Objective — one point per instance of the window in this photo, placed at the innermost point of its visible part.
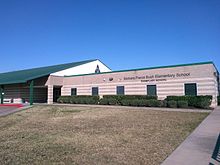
(191, 89)
(120, 90)
(95, 91)
(73, 92)
(151, 90)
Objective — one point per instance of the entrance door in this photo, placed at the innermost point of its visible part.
(56, 93)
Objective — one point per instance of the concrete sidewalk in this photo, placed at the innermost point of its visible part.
(198, 147)
(4, 111)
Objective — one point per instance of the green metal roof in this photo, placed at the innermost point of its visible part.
(23, 76)
(149, 68)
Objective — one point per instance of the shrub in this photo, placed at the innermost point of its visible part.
(63, 99)
(203, 103)
(72, 101)
(143, 103)
(172, 104)
(193, 101)
(91, 101)
(154, 103)
(141, 100)
(103, 101)
(134, 102)
(163, 103)
(160, 103)
(112, 101)
(182, 104)
(108, 101)
(119, 98)
(125, 102)
(79, 99)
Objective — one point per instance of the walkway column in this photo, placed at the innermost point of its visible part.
(50, 94)
(2, 94)
(31, 95)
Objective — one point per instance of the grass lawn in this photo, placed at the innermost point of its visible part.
(85, 135)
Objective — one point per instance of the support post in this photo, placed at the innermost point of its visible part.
(50, 94)
(2, 94)
(31, 95)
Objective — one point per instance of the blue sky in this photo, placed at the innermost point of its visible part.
(124, 34)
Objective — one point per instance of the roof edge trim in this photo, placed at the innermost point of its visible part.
(149, 68)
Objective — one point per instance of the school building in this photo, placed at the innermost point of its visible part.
(92, 77)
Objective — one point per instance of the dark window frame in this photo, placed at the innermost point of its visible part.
(149, 90)
(120, 90)
(188, 87)
(74, 93)
(95, 91)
